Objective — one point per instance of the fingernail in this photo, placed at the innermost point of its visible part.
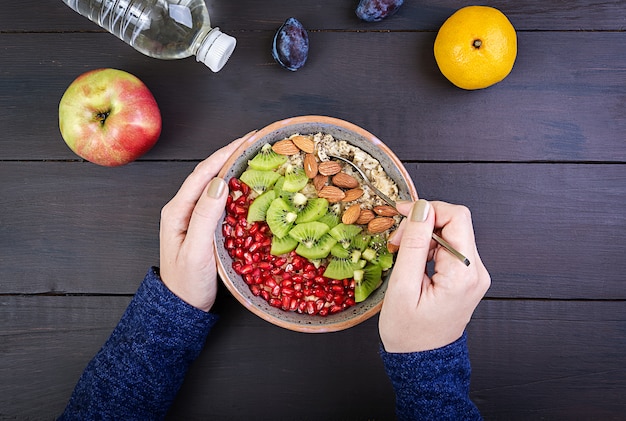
(419, 213)
(216, 188)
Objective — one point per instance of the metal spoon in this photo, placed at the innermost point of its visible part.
(391, 203)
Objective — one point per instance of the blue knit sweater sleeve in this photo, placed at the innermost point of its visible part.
(432, 385)
(138, 371)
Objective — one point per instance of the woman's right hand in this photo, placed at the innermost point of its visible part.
(419, 312)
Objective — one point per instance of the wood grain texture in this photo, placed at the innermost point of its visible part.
(530, 360)
(250, 15)
(540, 159)
(570, 108)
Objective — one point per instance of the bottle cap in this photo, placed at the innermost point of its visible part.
(216, 49)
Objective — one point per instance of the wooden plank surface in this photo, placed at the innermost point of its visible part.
(568, 109)
(549, 360)
(544, 231)
(250, 15)
(540, 159)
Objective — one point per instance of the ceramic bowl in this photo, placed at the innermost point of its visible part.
(236, 165)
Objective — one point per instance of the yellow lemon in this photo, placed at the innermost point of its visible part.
(476, 47)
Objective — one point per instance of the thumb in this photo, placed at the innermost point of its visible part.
(206, 215)
(414, 244)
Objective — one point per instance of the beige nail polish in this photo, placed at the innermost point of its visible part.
(216, 188)
(420, 210)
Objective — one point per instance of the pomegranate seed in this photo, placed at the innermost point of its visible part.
(237, 267)
(323, 312)
(293, 304)
(248, 241)
(254, 228)
(256, 290)
(319, 293)
(288, 291)
(230, 220)
(349, 302)
(265, 265)
(336, 288)
(286, 302)
(335, 309)
(275, 302)
(276, 291)
(245, 189)
(310, 307)
(234, 184)
(246, 269)
(319, 304)
(301, 306)
(265, 294)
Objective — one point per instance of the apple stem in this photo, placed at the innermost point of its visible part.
(477, 43)
(102, 117)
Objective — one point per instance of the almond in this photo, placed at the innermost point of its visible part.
(391, 247)
(345, 181)
(285, 147)
(365, 217)
(351, 214)
(304, 143)
(310, 165)
(380, 224)
(352, 194)
(320, 181)
(329, 167)
(385, 210)
(332, 194)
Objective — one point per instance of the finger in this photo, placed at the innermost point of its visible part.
(205, 217)
(414, 250)
(456, 226)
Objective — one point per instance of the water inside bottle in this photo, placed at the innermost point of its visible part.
(158, 28)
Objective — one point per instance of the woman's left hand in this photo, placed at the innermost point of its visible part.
(188, 224)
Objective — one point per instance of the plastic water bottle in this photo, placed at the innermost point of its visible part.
(163, 29)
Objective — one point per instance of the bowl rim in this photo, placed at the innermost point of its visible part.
(256, 136)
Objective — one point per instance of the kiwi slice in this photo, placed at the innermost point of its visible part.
(313, 209)
(258, 208)
(377, 253)
(345, 233)
(259, 180)
(331, 217)
(339, 268)
(338, 251)
(283, 245)
(319, 248)
(280, 217)
(295, 179)
(308, 233)
(267, 159)
(360, 241)
(366, 280)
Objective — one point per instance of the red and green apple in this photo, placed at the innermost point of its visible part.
(109, 117)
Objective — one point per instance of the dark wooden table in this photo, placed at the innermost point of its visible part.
(539, 158)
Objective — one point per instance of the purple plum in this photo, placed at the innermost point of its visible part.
(377, 10)
(291, 45)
